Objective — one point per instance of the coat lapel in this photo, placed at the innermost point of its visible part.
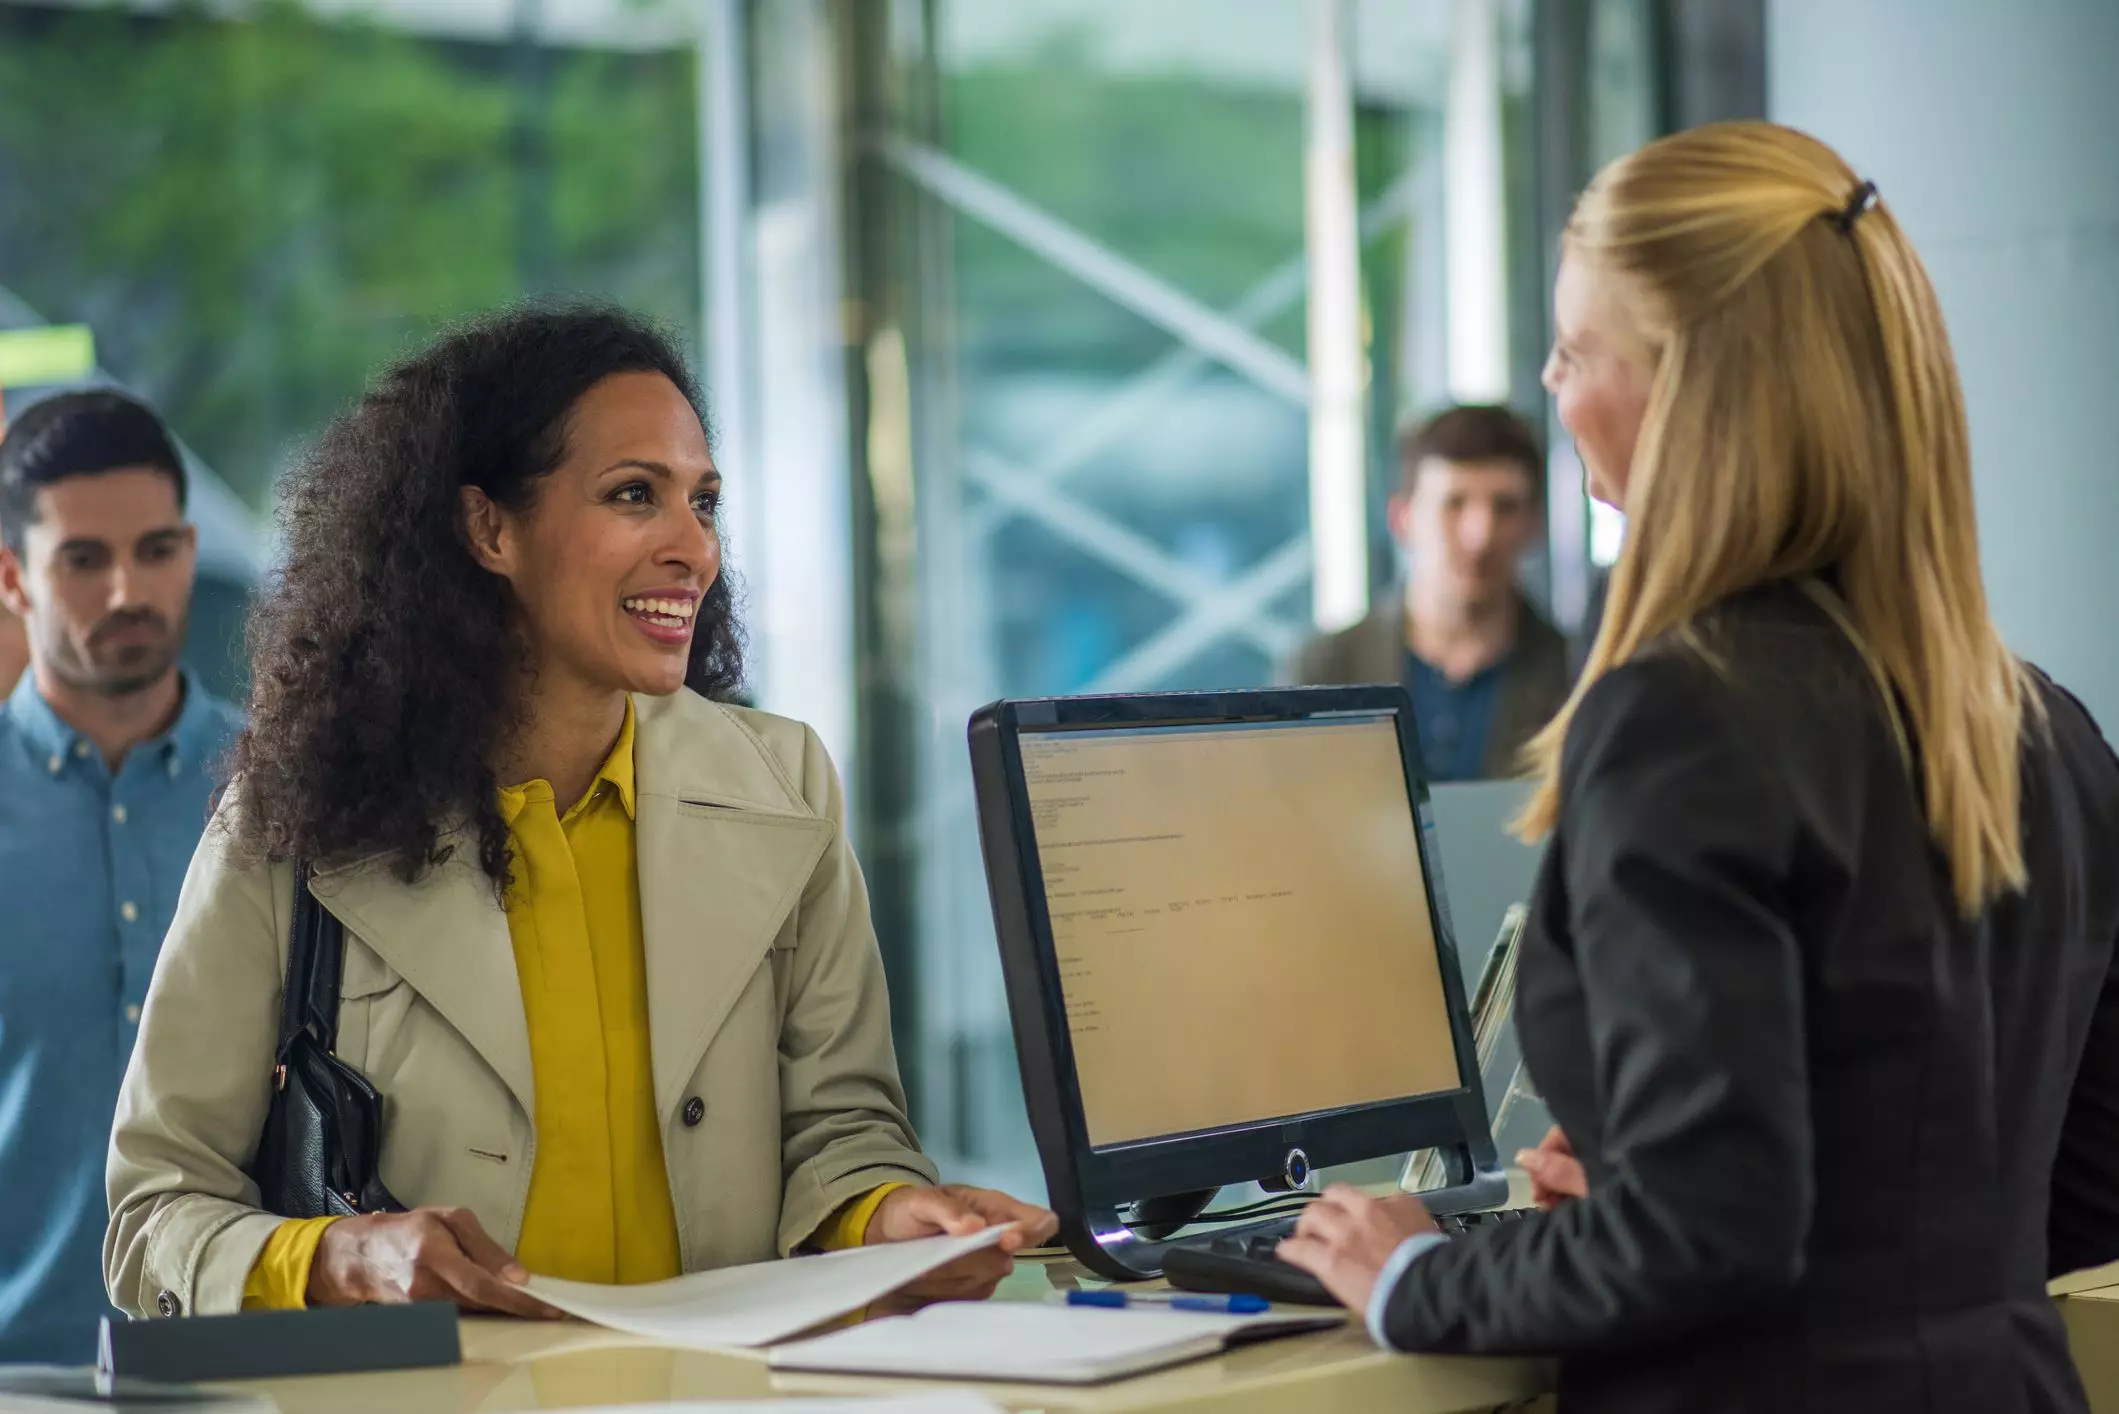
(447, 935)
(725, 844)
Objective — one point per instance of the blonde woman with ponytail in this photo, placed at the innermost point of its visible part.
(1820, 980)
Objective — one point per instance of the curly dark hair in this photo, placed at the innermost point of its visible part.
(386, 662)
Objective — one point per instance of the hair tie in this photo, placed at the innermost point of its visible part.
(1864, 197)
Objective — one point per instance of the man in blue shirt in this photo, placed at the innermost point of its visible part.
(106, 754)
(1484, 669)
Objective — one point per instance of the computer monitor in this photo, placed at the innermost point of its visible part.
(1226, 947)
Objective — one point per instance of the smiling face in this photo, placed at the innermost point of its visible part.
(610, 561)
(1600, 374)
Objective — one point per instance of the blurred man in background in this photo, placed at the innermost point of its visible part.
(1485, 670)
(105, 751)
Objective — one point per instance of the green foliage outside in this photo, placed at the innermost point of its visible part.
(256, 209)
(257, 212)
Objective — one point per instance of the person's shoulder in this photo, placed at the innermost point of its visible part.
(1669, 679)
(734, 753)
(1764, 676)
(1337, 655)
(1669, 745)
(1385, 612)
(16, 705)
(1674, 697)
(2074, 729)
(17, 754)
(1542, 654)
(792, 744)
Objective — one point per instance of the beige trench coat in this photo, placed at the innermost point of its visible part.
(766, 1005)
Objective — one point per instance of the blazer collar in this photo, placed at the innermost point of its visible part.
(446, 934)
(724, 844)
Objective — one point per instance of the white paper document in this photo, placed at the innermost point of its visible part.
(940, 1402)
(1037, 1341)
(761, 1303)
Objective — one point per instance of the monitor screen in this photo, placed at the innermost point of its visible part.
(1240, 920)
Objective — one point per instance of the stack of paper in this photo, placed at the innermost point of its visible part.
(761, 1303)
(1037, 1341)
(940, 1402)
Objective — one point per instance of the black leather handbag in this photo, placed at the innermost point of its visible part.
(323, 1135)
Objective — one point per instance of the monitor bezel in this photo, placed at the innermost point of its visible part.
(1080, 1175)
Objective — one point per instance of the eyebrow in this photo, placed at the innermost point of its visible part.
(661, 469)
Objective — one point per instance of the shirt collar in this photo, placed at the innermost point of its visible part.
(187, 742)
(617, 771)
(618, 766)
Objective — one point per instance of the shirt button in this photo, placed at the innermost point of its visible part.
(81, 750)
(57, 764)
(166, 1303)
(132, 1014)
(117, 813)
(694, 1111)
(129, 911)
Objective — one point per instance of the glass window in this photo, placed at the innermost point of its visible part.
(1097, 287)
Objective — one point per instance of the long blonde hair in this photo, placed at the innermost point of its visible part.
(1805, 423)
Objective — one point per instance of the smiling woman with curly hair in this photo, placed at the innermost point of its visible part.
(607, 956)
(385, 651)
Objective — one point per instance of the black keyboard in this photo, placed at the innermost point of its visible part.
(1245, 1261)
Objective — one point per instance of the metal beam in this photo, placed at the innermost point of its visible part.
(1103, 269)
(1091, 531)
(1237, 607)
(1134, 400)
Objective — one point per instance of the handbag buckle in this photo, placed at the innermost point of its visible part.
(279, 1077)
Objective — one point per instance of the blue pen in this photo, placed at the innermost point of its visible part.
(1240, 1304)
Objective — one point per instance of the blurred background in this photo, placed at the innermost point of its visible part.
(1053, 346)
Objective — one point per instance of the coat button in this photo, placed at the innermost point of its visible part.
(694, 1111)
(167, 1303)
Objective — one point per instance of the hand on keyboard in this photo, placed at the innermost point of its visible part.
(1345, 1237)
(1249, 1261)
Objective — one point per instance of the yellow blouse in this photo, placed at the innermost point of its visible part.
(599, 1205)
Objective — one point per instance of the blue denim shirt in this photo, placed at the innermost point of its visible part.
(90, 866)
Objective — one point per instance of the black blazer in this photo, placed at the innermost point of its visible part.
(1837, 1137)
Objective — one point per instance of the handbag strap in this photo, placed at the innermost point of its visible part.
(316, 950)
